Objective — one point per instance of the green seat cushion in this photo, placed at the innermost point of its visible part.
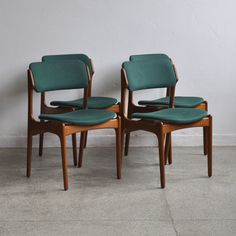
(93, 102)
(81, 117)
(146, 57)
(188, 102)
(173, 115)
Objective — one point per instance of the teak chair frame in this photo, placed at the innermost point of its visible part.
(132, 108)
(44, 108)
(161, 129)
(63, 129)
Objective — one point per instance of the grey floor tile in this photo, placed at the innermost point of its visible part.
(206, 227)
(87, 228)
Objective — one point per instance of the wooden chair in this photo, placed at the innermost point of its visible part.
(160, 74)
(160, 103)
(107, 103)
(49, 76)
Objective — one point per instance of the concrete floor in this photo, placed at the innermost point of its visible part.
(99, 204)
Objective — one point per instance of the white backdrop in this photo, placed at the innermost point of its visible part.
(199, 35)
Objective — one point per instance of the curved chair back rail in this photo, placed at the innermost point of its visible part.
(144, 57)
(59, 75)
(64, 57)
(150, 74)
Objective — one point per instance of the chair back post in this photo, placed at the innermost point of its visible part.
(124, 86)
(87, 90)
(30, 95)
(172, 97)
(42, 102)
(176, 74)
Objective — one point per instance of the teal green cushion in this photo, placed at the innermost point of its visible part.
(81, 117)
(49, 76)
(173, 115)
(188, 102)
(144, 57)
(149, 74)
(62, 57)
(93, 102)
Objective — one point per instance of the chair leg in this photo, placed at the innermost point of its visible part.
(168, 149)
(64, 161)
(127, 138)
(118, 151)
(81, 148)
(41, 136)
(209, 150)
(85, 139)
(205, 140)
(29, 154)
(162, 159)
(74, 145)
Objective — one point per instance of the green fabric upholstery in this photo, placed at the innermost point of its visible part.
(81, 117)
(149, 74)
(187, 102)
(173, 115)
(145, 57)
(93, 102)
(49, 76)
(63, 57)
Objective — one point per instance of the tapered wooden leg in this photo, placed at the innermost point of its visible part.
(81, 148)
(41, 136)
(168, 149)
(162, 159)
(64, 161)
(127, 138)
(209, 150)
(74, 145)
(29, 154)
(205, 144)
(118, 151)
(85, 139)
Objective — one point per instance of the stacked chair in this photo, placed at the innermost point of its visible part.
(160, 103)
(140, 75)
(59, 75)
(160, 116)
(93, 102)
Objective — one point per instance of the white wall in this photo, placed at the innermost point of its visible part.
(199, 35)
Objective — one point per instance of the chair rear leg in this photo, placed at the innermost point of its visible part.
(41, 136)
(127, 138)
(162, 159)
(74, 144)
(29, 154)
(81, 148)
(209, 150)
(64, 161)
(205, 144)
(118, 151)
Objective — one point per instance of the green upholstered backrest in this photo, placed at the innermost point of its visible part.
(149, 74)
(62, 57)
(59, 75)
(144, 57)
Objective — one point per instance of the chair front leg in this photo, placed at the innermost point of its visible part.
(118, 149)
(29, 153)
(74, 145)
(168, 149)
(127, 138)
(205, 144)
(85, 139)
(161, 141)
(41, 137)
(64, 161)
(81, 149)
(209, 149)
